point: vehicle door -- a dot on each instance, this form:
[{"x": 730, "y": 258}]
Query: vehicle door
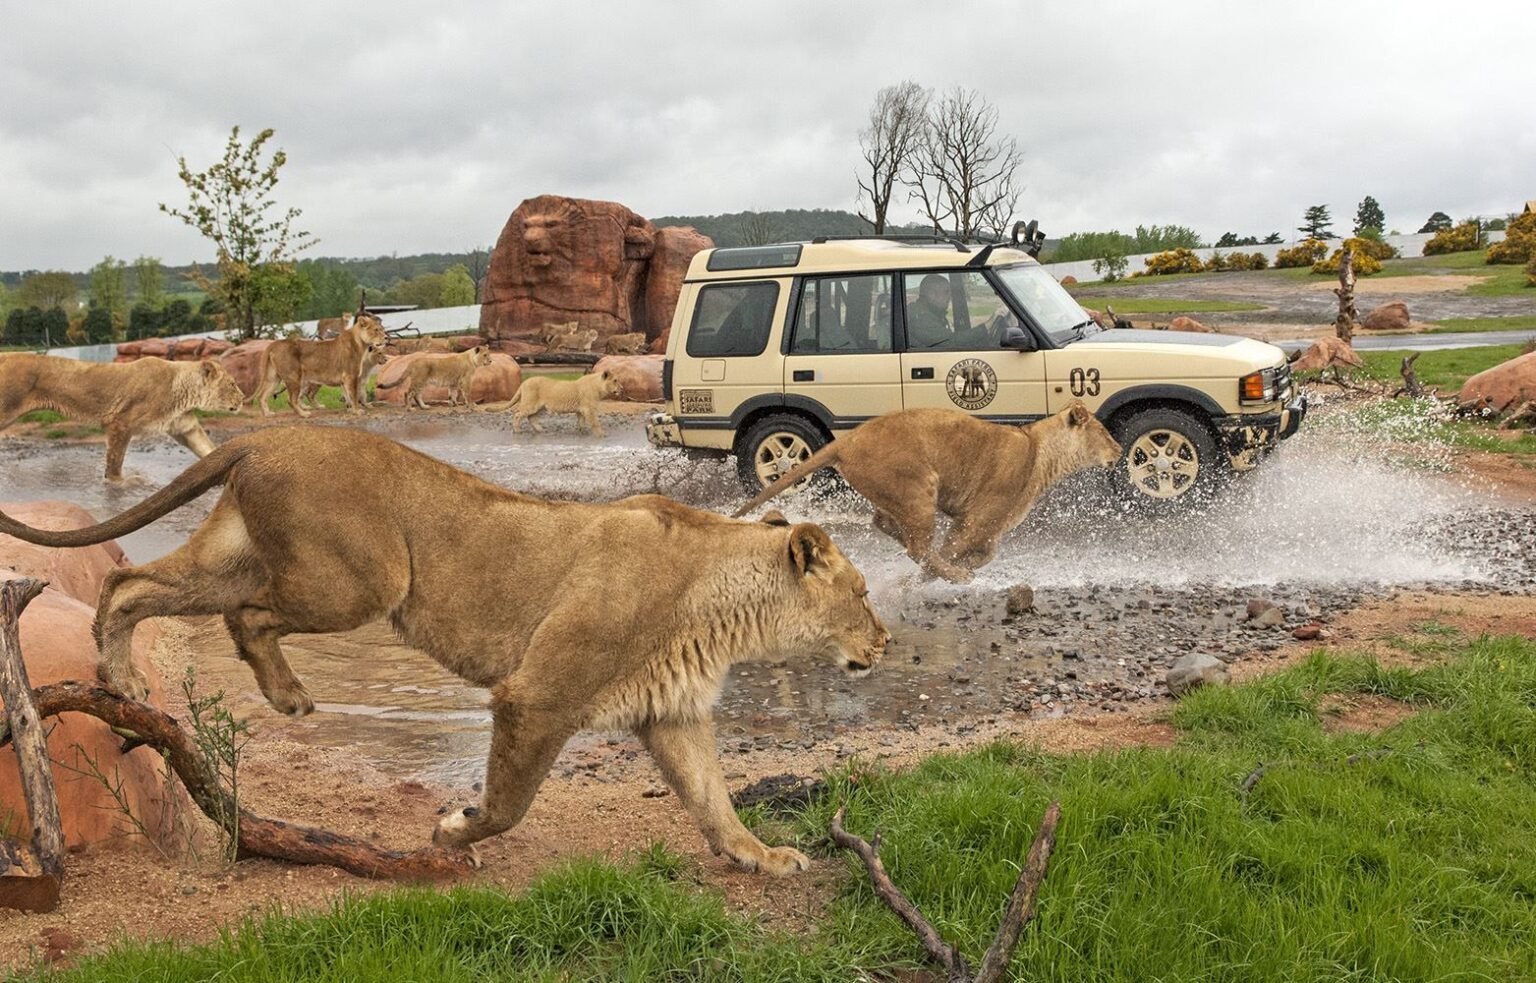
[
  {"x": 842, "y": 351},
  {"x": 953, "y": 358}
]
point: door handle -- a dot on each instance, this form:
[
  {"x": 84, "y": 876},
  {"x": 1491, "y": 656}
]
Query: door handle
[
  {"x": 803, "y": 375},
  {"x": 923, "y": 373}
]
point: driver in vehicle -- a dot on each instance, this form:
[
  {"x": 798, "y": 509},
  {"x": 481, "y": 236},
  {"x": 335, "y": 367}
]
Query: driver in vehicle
[{"x": 928, "y": 320}]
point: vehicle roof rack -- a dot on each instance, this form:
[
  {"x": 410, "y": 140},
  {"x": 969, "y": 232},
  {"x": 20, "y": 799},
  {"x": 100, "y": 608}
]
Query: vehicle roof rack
[{"x": 897, "y": 237}]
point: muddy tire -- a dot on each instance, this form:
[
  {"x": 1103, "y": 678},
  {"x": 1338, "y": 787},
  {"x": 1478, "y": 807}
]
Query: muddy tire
[
  {"x": 773, "y": 446},
  {"x": 1170, "y": 459}
]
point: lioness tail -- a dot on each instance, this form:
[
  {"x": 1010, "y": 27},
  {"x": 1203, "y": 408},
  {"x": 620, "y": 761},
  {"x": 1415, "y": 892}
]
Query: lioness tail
[
  {"x": 822, "y": 458},
  {"x": 205, "y": 474}
]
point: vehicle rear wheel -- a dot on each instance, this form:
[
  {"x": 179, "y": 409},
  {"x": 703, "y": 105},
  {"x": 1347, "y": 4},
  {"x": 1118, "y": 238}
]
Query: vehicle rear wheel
[
  {"x": 1169, "y": 458},
  {"x": 774, "y": 446}
]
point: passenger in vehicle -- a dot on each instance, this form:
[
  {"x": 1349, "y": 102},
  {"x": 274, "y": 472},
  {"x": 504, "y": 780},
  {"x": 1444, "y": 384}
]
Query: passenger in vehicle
[{"x": 928, "y": 315}]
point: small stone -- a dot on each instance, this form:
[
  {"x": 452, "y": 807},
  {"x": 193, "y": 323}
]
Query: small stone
[
  {"x": 1021, "y": 600},
  {"x": 1271, "y": 618},
  {"x": 656, "y": 792},
  {"x": 1308, "y": 632},
  {"x": 1257, "y": 606},
  {"x": 188, "y": 889},
  {"x": 1197, "y": 669}
]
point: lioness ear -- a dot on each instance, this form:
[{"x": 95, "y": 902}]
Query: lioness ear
[
  {"x": 808, "y": 547},
  {"x": 773, "y": 517},
  {"x": 210, "y": 369},
  {"x": 1078, "y": 415}
]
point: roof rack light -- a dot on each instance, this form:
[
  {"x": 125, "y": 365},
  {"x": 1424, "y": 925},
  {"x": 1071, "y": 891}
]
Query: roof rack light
[{"x": 754, "y": 257}]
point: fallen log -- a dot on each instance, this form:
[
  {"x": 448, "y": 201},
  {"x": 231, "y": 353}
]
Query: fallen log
[
  {"x": 1021, "y": 903},
  {"x": 257, "y": 835},
  {"x": 29, "y": 880},
  {"x": 558, "y": 358}
]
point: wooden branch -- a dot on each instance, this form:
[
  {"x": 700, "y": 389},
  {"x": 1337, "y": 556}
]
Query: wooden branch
[
  {"x": 258, "y": 836},
  {"x": 1021, "y": 903},
  {"x": 23, "y": 719},
  {"x": 1344, "y": 325},
  {"x": 1411, "y": 384}
]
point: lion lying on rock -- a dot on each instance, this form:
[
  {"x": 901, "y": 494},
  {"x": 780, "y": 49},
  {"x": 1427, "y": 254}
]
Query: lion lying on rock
[
  {"x": 149, "y": 395},
  {"x": 421, "y": 543},
  {"x": 913, "y": 464},
  {"x": 343, "y": 361},
  {"x": 451, "y": 371},
  {"x": 579, "y": 396}
]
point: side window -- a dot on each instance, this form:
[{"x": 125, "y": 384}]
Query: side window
[
  {"x": 732, "y": 319},
  {"x": 957, "y": 311},
  {"x": 844, "y": 315}
]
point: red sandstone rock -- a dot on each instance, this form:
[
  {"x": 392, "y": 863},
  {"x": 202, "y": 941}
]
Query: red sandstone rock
[
  {"x": 1068, "y": 280},
  {"x": 244, "y": 363},
  {"x": 1325, "y": 351},
  {"x": 675, "y": 248},
  {"x": 638, "y": 375},
  {"x": 1387, "y": 317},
  {"x": 77, "y": 573},
  {"x": 1189, "y": 324},
  {"x": 494, "y": 383},
  {"x": 1502, "y": 387}
]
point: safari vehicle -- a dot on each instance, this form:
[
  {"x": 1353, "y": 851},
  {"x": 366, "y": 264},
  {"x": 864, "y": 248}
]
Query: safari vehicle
[{"x": 775, "y": 350}]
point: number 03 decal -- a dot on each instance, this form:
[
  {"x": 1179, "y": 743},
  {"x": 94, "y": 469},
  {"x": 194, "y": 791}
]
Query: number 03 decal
[{"x": 1084, "y": 382}]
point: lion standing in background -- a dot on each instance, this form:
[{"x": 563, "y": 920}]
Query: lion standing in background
[
  {"x": 342, "y": 361},
  {"x": 455, "y": 372},
  {"x": 579, "y": 396},
  {"x": 150, "y": 395},
  {"x": 561, "y": 653}
]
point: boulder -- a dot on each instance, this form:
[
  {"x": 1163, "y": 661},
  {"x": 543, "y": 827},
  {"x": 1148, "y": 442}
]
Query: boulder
[
  {"x": 77, "y": 573},
  {"x": 1182, "y": 323},
  {"x": 244, "y": 363},
  {"x": 1068, "y": 280},
  {"x": 1020, "y": 600},
  {"x": 1388, "y": 317},
  {"x": 564, "y": 259},
  {"x": 1325, "y": 351},
  {"x": 494, "y": 383},
  {"x": 1501, "y": 388},
  {"x": 675, "y": 248},
  {"x": 639, "y": 375},
  {"x": 1194, "y": 670},
  {"x": 153, "y": 348}
]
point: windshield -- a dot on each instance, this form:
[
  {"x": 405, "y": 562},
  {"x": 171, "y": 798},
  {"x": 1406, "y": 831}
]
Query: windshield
[{"x": 1047, "y": 302}]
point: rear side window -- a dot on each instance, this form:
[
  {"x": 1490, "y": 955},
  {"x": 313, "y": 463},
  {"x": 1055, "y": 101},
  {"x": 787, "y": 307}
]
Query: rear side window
[{"x": 732, "y": 319}]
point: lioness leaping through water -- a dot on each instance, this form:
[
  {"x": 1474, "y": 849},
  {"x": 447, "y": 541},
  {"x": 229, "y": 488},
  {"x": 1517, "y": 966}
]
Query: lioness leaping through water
[
  {"x": 560, "y": 651},
  {"x": 913, "y": 464},
  {"x": 342, "y": 361},
  {"x": 148, "y": 395}
]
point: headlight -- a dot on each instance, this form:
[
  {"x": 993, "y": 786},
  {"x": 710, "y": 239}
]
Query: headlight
[{"x": 1257, "y": 387}]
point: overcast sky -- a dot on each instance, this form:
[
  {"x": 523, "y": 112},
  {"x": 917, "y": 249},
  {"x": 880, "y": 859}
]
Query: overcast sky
[{"x": 417, "y": 127}]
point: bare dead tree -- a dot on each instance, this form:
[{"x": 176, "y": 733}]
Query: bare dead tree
[
  {"x": 1344, "y": 325},
  {"x": 897, "y": 121},
  {"x": 478, "y": 262},
  {"x": 964, "y": 176},
  {"x": 758, "y": 229}
]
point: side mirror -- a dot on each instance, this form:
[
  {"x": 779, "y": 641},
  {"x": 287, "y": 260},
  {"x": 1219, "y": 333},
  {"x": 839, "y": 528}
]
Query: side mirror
[{"x": 1018, "y": 339}]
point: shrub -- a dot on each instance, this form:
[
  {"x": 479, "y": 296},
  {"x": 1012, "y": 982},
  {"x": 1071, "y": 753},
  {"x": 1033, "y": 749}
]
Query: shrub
[
  {"x": 1530, "y": 271},
  {"x": 1369, "y": 241},
  {"x": 1365, "y": 263},
  {"x": 1304, "y": 253},
  {"x": 1236, "y": 262},
  {"x": 1519, "y": 245},
  {"x": 1174, "y": 261},
  {"x": 1111, "y": 267},
  {"x": 1457, "y": 239}
]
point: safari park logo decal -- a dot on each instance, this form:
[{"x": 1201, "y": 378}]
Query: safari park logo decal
[{"x": 971, "y": 384}]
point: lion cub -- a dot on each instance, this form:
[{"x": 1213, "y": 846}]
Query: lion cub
[
  {"x": 914, "y": 464},
  {"x": 453, "y": 371},
  {"x": 579, "y": 396}
]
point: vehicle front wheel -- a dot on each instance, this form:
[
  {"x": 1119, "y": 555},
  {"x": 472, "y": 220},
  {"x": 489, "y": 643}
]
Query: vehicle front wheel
[
  {"x": 1168, "y": 458},
  {"x": 774, "y": 446}
]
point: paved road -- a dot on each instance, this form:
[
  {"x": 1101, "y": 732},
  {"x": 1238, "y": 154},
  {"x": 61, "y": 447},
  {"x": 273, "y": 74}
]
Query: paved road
[{"x": 1425, "y": 342}]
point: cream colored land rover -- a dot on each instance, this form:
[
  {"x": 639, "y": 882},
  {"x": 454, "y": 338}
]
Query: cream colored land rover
[{"x": 776, "y": 350}]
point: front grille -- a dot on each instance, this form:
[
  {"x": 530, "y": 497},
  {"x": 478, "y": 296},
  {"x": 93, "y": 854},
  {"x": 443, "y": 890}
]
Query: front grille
[{"x": 1283, "y": 381}]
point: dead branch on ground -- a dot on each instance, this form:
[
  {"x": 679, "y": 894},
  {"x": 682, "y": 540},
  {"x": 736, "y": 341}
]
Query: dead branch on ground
[{"x": 1021, "y": 903}]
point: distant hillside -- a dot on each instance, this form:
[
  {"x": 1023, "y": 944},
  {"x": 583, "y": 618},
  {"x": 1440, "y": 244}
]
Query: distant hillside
[{"x": 757, "y": 228}]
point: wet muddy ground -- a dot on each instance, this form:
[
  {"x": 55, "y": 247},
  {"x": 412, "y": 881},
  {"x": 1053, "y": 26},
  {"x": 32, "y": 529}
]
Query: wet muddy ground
[{"x": 1328, "y": 521}]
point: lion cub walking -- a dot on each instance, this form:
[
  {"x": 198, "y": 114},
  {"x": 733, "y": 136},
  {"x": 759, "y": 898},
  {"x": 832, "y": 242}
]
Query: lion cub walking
[
  {"x": 579, "y": 396},
  {"x": 453, "y": 371},
  {"x": 914, "y": 464}
]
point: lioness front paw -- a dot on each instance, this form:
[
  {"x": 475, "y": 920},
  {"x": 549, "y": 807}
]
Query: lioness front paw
[
  {"x": 780, "y": 861},
  {"x": 127, "y": 680},
  {"x": 294, "y": 701}
]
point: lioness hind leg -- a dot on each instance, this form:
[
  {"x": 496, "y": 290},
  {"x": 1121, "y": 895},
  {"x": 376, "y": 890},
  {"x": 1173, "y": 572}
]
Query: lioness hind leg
[
  {"x": 527, "y": 733},
  {"x": 256, "y": 631},
  {"x": 686, "y": 755},
  {"x": 295, "y": 385}
]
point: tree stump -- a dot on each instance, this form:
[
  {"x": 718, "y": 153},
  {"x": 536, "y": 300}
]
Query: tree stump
[
  {"x": 29, "y": 879},
  {"x": 1349, "y": 318}
]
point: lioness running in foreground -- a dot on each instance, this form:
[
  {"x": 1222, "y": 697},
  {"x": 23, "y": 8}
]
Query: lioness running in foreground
[
  {"x": 453, "y": 371},
  {"x": 560, "y": 649},
  {"x": 342, "y": 361},
  {"x": 149, "y": 395},
  {"x": 579, "y": 396},
  {"x": 986, "y": 477}
]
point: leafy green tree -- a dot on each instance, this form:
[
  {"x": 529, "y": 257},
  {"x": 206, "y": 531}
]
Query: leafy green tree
[
  {"x": 1272, "y": 239},
  {"x": 45, "y": 291},
  {"x": 53, "y": 327},
  {"x": 333, "y": 290},
  {"x": 175, "y": 318},
  {"x": 1369, "y": 216},
  {"x": 109, "y": 288},
  {"x": 149, "y": 281},
  {"x": 278, "y": 290},
  {"x": 99, "y": 328},
  {"x": 5, "y": 303},
  {"x": 421, "y": 291},
  {"x": 1492, "y": 225},
  {"x": 458, "y": 288},
  {"x": 231, "y": 205},
  {"x": 1315, "y": 223},
  {"x": 28, "y": 326},
  {"x": 1438, "y": 222},
  {"x": 144, "y": 321}
]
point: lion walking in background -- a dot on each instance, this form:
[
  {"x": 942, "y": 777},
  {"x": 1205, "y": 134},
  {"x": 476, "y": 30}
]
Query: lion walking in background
[
  {"x": 455, "y": 372},
  {"x": 342, "y": 361},
  {"x": 579, "y": 396}
]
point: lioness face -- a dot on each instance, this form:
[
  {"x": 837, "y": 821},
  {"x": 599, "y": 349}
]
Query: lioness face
[
  {"x": 370, "y": 329},
  {"x": 611, "y": 386},
  {"x": 1094, "y": 443},
  {"x": 376, "y": 355},
  {"x": 836, "y": 605},
  {"x": 481, "y": 356},
  {"x": 220, "y": 391}
]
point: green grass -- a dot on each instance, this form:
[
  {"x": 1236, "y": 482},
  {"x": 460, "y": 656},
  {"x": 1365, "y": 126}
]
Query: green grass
[
  {"x": 1161, "y": 305},
  {"x": 1468, "y": 324},
  {"x": 42, "y": 416},
  {"x": 1427, "y": 426},
  {"x": 1405, "y": 854},
  {"x": 330, "y": 398},
  {"x": 1447, "y": 368}
]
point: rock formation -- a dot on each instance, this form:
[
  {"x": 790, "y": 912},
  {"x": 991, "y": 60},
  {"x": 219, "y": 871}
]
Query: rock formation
[
  {"x": 1501, "y": 388},
  {"x": 185, "y": 350},
  {"x": 593, "y": 262},
  {"x": 1387, "y": 317},
  {"x": 639, "y": 375},
  {"x": 1327, "y": 351},
  {"x": 1182, "y": 323}
]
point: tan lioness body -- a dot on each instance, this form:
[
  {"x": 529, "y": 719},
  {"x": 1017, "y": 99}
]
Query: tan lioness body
[
  {"x": 421, "y": 543},
  {"x": 453, "y": 371},
  {"x": 371, "y": 361},
  {"x": 579, "y": 396},
  {"x": 913, "y": 464},
  {"x": 341, "y": 361},
  {"x": 149, "y": 395}
]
